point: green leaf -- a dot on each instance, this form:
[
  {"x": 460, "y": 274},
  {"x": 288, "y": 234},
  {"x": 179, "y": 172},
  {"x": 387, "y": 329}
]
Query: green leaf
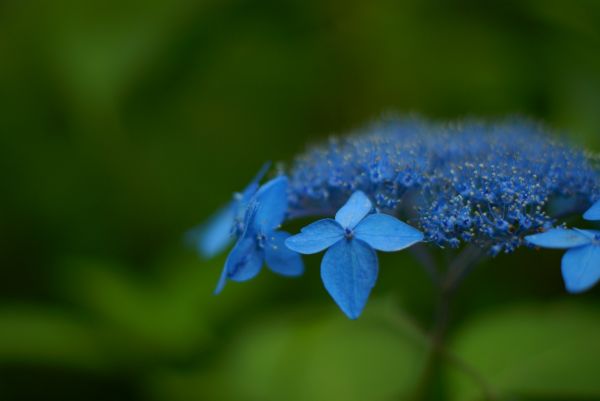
[
  {"x": 35, "y": 335},
  {"x": 306, "y": 355},
  {"x": 550, "y": 350}
]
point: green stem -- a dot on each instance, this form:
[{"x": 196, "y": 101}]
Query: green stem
[{"x": 456, "y": 271}]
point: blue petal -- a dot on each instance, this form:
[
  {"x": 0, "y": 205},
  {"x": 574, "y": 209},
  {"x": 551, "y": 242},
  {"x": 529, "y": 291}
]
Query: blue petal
[
  {"x": 279, "y": 258},
  {"x": 558, "y": 238},
  {"x": 349, "y": 272},
  {"x": 581, "y": 268},
  {"x": 251, "y": 189},
  {"x": 244, "y": 260},
  {"x": 221, "y": 282},
  {"x": 591, "y": 234},
  {"x": 271, "y": 205},
  {"x": 593, "y": 213},
  {"x": 216, "y": 234},
  {"x": 386, "y": 233},
  {"x": 357, "y": 207},
  {"x": 316, "y": 237}
]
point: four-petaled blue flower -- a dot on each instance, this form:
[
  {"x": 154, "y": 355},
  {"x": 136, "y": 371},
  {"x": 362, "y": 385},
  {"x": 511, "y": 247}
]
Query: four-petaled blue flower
[
  {"x": 349, "y": 268},
  {"x": 215, "y": 235},
  {"x": 260, "y": 241},
  {"x": 581, "y": 263},
  {"x": 594, "y": 213}
]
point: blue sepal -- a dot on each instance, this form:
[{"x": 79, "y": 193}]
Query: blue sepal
[
  {"x": 386, "y": 233},
  {"x": 349, "y": 271},
  {"x": 355, "y": 209},
  {"x": 271, "y": 205},
  {"x": 215, "y": 235},
  {"x": 316, "y": 237},
  {"x": 279, "y": 258},
  {"x": 559, "y": 238},
  {"x": 244, "y": 260},
  {"x": 581, "y": 268},
  {"x": 593, "y": 213}
]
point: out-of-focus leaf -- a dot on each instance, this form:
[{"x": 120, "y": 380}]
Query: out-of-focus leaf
[
  {"x": 142, "y": 316},
  {"x": 549, "y": 350},
  {"x": 39, "y": 335},
  {"x": 304, "y": 355},
  {"x": 171, "y": 312}
]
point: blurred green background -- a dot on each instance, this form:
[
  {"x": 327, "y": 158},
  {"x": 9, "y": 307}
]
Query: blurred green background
[{"x": 124, "y": 123}]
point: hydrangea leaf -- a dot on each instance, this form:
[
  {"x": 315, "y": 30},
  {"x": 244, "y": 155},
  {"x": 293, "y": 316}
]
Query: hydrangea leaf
[
  {"x": 593, "y": 213},
  {"x": 316, "y": 237},
  {"x": 581, "y": 268},
  {"x": 386, "y": 233},
  {"x": 271, "y": 205},
  {"x": 349, "y": 271},
  {"x": 279, "y": 258},
  {"x": 527, "y": 351},
  {"x": 559, "y": 238},
  {"x": 316, "y": 356},
  {"x": 357, "y": 207}
]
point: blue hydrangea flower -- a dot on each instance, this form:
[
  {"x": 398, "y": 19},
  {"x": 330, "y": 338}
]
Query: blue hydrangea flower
[
  {"x": 593, "y": 213},
  {"x": 490, "y": 185},
  {"x": 215, "y": 235},
  {"x": 468, "y": 182},
  {"x": 349, "y": 268},
  {"x": 581, "y": 263},
  {"x": 261, "y": 242}
]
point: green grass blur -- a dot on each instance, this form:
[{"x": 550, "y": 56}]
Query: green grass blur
[{"x": 124, "y": 123}]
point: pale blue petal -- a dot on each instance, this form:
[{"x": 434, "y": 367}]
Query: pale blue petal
[
  {"x": 244, "y": 260},
  {"x": 593, "y": 213},
  {"x": 222, "y": 281},
  {"x": 581, "y": 268},
  {"x": 558, "y": 238},
  {"x": 349, "y": 272},
  {"x": 271, "y": 205},
  {"x": 386, "y": 233},
  {"x": 279, "y": 258},
  {"x": 591, "y": 234},
  {"x": 251, "y": 189},
  {"x": 316, "y": 237},
  {"x": 216, "y": 234},
  {"x": 357, "y": 207}
]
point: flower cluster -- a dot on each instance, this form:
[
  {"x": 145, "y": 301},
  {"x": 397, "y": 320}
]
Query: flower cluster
[
  {"x": 462, "y": 183},
  {"x": 497, "y": 186}
]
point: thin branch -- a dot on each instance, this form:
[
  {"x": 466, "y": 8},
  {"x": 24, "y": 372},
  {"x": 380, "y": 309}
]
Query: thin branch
[{"x": 422, "y": 254}]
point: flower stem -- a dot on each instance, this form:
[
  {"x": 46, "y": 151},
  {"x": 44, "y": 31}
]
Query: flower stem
[{"x": 429, "y": 385}]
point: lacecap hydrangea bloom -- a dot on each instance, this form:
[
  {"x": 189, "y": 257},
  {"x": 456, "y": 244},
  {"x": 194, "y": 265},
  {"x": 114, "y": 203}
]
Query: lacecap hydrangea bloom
[{"x": 400, "y": 182}]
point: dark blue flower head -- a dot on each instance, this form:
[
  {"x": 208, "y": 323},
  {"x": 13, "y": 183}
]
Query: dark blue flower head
[
  {"x": 490, "y": 185},
  {"x": 261, "y": 241},
  {"x": 349, "y": 268}
]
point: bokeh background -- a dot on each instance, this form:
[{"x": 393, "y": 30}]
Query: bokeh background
[{"x": 125, "y": 123}]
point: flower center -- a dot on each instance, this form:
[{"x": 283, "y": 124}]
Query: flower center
[
  {"x": 261, "y": 240},
  {"x": 348, "y": 233}
]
